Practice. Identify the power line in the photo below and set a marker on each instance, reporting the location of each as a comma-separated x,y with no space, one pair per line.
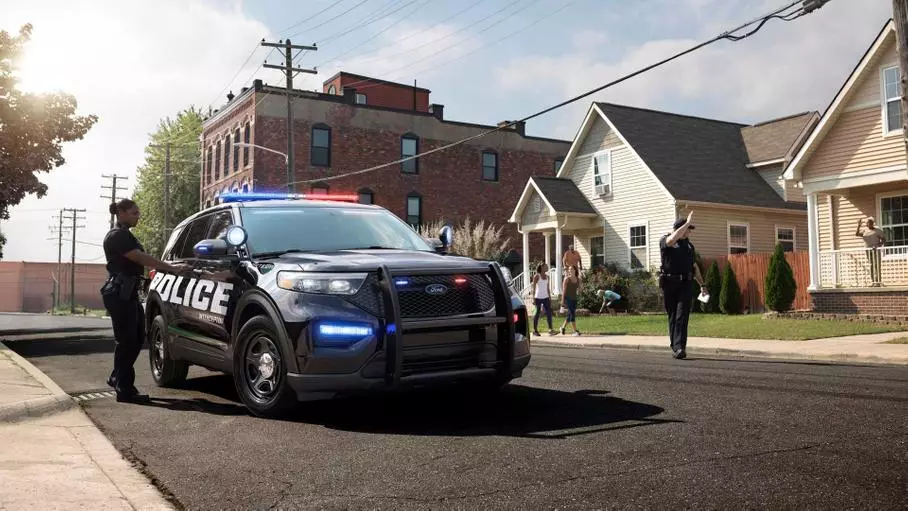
75,228
725,35
329,20
298,23
113,193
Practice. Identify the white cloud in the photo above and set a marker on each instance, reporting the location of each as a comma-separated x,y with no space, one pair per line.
131,63
785,68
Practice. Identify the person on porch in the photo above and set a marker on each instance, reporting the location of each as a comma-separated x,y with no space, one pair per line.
873,240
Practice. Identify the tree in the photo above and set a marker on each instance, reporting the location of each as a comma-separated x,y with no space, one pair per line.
33,128
714,287
730,297
183,134
780,286
481,241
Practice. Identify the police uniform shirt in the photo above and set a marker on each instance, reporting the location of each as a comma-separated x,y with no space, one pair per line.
117,244
678,259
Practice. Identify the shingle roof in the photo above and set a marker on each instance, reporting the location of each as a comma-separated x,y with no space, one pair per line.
772,140
563,195
696,159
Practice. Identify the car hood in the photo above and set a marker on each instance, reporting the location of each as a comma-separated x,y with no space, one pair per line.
372,260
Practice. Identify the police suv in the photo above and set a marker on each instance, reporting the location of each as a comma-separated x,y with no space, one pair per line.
305,299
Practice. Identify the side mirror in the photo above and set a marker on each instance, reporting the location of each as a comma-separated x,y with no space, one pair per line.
222,247
446,236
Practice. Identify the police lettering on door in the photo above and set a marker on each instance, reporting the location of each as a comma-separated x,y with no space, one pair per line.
200,294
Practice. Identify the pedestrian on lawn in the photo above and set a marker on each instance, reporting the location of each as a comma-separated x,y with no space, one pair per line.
677,272
609,297
126,260
570,290
542,296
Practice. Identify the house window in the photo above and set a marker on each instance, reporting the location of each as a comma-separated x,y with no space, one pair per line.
321,146
217,161
489,166
602,173
227,155
785,236
245,187
414,210
246,135
409,144
558,163
894,219
360,99
597,252
738,239
365,196
210,165
638,258
892,108
319,189
236,150
332,89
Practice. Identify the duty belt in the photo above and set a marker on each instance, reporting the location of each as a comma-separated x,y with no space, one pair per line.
678,276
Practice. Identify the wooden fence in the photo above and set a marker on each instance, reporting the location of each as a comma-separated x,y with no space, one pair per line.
751,269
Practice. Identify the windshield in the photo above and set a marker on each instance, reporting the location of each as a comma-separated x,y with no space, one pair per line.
278,229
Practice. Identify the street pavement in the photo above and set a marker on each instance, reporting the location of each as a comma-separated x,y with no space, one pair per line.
584,428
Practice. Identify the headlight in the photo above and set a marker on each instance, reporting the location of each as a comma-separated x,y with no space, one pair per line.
321,283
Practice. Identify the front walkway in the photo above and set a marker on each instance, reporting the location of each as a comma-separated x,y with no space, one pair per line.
856,348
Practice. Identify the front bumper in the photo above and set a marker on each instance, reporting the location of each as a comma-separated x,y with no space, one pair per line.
407,352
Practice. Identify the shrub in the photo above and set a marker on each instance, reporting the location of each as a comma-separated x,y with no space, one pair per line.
780,286
596,279
714,287
730,297
481,241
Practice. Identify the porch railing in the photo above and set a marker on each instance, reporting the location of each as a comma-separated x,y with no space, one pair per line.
887,266
517,284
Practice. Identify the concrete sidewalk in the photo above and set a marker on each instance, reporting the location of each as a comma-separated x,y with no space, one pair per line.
856,348
53,456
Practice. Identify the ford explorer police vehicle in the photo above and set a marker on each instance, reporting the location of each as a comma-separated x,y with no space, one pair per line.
303,299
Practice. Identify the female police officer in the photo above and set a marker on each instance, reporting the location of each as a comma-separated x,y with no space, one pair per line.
126,260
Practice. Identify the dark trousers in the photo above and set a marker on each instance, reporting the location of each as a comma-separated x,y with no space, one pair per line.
677,297
540,303
128,318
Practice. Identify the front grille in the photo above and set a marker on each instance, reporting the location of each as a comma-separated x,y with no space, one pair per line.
474,296
433,365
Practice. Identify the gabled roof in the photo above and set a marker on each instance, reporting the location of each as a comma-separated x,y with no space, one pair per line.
559,195
696,159
840,101
774,140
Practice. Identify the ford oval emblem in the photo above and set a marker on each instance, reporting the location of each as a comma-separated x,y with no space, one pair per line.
436,289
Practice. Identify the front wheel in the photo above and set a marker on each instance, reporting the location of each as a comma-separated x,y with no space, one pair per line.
166,371
260,370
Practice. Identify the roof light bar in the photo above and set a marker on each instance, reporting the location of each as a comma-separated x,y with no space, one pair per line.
262,196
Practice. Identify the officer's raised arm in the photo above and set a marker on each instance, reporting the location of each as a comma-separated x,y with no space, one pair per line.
679,233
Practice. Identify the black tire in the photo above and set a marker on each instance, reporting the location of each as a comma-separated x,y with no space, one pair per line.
261,382
166,371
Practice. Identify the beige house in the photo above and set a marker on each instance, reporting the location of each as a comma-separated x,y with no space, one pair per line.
853,167
630,172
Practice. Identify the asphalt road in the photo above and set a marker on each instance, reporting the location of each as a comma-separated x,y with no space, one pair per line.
593,428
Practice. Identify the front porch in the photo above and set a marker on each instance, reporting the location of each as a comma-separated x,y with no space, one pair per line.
559,226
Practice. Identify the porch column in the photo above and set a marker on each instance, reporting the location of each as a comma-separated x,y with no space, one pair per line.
526,260
813,242
548,250
556,287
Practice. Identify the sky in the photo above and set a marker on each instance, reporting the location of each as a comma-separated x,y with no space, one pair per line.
133,63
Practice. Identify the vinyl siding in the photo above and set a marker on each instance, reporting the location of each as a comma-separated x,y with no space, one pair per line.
637,196
536,211
793,193
847,211
856,141
711,233
582,244
773,177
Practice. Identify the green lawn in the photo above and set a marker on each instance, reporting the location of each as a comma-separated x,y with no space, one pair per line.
751,326
898,340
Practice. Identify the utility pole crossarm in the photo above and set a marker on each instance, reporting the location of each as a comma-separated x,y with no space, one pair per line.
284,68
291,46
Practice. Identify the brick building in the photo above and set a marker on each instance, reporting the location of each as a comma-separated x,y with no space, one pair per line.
359,122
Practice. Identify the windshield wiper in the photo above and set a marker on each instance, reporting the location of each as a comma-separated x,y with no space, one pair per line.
276,253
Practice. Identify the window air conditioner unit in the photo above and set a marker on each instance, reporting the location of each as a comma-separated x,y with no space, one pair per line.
602,189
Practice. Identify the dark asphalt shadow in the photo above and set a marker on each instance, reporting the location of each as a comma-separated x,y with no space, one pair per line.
514,411
196,405
83,345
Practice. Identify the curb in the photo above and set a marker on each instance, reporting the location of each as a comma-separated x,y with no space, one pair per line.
693,350
58,401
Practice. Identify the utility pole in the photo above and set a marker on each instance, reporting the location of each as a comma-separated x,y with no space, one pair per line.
59,228
113,193
900,18
289,73
166,186
72,276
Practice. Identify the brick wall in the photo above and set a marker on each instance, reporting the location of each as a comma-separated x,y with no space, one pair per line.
873,303
29,287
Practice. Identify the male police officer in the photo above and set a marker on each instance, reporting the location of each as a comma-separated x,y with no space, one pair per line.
677,272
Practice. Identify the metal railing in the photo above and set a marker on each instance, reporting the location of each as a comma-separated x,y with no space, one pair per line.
516,283
886,266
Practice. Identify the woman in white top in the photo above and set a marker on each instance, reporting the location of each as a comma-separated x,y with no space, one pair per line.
542,296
